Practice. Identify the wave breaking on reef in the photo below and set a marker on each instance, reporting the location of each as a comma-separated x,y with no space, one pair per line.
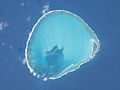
59,43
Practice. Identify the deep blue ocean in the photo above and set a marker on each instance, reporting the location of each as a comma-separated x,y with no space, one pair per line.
17,17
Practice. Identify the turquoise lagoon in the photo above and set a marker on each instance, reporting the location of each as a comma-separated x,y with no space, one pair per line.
59,43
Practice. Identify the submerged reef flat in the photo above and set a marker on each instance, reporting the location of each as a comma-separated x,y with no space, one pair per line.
59,43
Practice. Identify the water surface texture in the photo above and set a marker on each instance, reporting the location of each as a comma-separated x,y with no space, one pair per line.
58,44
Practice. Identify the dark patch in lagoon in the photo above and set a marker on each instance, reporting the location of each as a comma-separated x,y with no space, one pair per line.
53,56
55,29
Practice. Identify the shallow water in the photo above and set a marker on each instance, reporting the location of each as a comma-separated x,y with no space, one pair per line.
59,43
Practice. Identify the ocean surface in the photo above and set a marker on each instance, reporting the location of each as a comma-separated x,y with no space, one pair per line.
17,18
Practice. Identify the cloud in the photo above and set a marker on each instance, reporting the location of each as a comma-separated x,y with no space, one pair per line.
28,18
45,8
22,4
3,24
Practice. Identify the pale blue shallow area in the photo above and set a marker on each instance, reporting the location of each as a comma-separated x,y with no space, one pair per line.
59,44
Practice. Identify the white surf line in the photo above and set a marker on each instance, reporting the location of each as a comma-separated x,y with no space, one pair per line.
33,29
